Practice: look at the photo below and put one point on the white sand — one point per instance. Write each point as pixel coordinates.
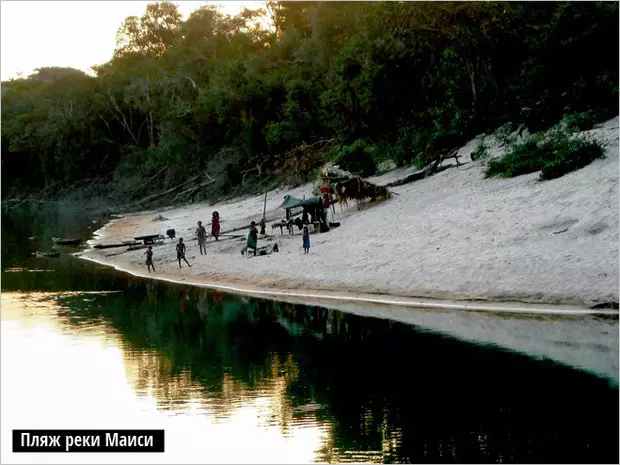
(455, 235)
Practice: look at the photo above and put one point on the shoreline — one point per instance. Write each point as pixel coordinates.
(454, 241)
(325, 296)
(584, 339)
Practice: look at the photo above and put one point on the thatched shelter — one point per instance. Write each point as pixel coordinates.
(346, 186)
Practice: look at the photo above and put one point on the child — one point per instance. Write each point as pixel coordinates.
(306, 237)
(181, 253)
(149, 258)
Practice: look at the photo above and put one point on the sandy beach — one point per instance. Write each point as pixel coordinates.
(454, 236)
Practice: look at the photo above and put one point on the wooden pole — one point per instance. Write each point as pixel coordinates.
(265, 206)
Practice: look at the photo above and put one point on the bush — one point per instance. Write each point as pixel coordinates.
(507, 134)
(357, 159)
(580, 121)
(554, 154)
(524, 158)
(576, 155)
(482, 151)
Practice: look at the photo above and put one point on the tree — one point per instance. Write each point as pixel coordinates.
(150, 35)
(246, 103)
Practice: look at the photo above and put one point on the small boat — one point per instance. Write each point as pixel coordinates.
(112, 246)
(61, 241)
(48, 254)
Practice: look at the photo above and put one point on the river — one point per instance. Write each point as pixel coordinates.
(242, 380)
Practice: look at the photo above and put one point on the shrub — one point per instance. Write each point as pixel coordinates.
(575, 155)
(580, 121)
(523, 158)
(482, 151)
(357, 159)
(554, 154)
(381, 153)
(507, 134)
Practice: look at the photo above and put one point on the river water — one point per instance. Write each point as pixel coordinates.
(241, 380)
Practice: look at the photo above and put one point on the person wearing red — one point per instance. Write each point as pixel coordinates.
(215, 225)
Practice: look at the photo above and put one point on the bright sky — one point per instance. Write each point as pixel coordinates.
(76, 34)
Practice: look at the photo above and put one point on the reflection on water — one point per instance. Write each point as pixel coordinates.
(238, 380)
(245, 380)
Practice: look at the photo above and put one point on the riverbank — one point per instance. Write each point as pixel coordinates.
(454, 236)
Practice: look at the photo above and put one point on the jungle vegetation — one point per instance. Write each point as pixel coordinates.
(213, 105)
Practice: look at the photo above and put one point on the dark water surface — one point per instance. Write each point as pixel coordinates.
(242, 380)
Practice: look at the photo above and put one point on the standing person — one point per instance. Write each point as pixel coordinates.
(201, 232)
(215, 225)
(149, 258)
(306, 238)
(253, 237)
(181, 253)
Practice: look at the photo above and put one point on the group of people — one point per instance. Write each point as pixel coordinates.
(253, 238)
(180, 255)
(201, 232)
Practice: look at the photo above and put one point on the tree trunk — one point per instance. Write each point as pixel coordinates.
(124, 120)
(150, 114)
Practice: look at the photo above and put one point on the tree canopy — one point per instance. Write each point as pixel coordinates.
(271, 94)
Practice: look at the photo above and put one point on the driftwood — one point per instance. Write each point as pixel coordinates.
(454, 153)
(150, 198)
(174, 189)
(428, 170)
(244, 227)
(188, 193)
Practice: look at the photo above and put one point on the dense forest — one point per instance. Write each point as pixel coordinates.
(215, 105)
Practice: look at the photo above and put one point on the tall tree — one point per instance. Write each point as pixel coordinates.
(152, 33)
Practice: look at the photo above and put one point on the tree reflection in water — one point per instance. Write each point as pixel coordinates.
(386, 391)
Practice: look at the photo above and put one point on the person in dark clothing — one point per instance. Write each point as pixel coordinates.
(215, 225)
(181, 253)
(149, 259)
(253, 237)
(306, 239)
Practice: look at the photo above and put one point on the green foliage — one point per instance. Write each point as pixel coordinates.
(152, 33)
(554, 153)
(481, 151)
(580, 121)
(507, 134)
(415, 78)
(525, 157)
(357, 159)
(572, 156)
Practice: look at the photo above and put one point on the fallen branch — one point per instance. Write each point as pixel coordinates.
(169, 191)
(245, 227)
(189, 193)
(428, 170)
(149, 180)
